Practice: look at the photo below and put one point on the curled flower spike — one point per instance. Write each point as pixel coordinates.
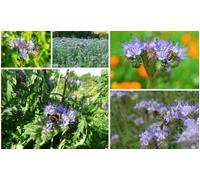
(58, 114)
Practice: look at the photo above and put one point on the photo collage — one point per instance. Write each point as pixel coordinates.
(99, 89)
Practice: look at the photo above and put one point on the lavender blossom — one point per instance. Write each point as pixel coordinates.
(65, 115)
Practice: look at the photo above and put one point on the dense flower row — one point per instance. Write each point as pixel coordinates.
(74, 52)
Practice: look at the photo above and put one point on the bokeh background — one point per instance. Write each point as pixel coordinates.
(124, 76)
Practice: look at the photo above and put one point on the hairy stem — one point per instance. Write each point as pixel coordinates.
(65, 86)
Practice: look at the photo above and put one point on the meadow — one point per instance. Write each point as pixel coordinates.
(80, 51)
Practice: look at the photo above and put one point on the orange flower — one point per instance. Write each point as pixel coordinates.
(111, 74)
(142, 71)
(193, 49)
(126, 85)
(186, 38)
(114, 60)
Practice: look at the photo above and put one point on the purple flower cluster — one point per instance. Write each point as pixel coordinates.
(65, 116)
(20, 76)
(150, 106)
(190, 136)
(187, 115)
(164, 51)
(51, 82)
(181, 111)
(24, 48)
(154, 134)
(133, 48)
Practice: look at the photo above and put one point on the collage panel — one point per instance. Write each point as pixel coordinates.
(154, 119)
(54, 108)
(80, 49)
(154, 60)
(25, 49)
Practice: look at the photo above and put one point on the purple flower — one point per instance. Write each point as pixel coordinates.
(165, 51)
(153, 134)
(118, 93)
(182, 110)
(20, 76)
(114, 138)
(11, 44)
(190, 136)
(138, 121)
(65, 115)
(50, 82)
(150, 106)
(133, 48)
(49, 109)
(24, 48)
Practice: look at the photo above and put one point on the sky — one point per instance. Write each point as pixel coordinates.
(81, 71)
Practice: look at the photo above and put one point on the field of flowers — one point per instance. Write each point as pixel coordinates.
(155, 119)
(25, 49)
(54, 109)
(77, 52)
(154, 60)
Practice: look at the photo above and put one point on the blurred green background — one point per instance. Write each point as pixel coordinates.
(186, 75)
(124, 132)
(42, 41)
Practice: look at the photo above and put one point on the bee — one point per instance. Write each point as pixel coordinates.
(171, 55)
(54, 118)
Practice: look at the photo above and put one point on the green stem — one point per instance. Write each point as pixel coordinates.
(65, 86)
(150, 82)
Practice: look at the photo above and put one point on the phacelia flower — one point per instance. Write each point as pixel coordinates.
(190, 136)
(58, 114)
(20, 76)
(24, 48)
(133, 48)
(183, 110)
(150, 106)
(164, 51)
(153, 134)
(118, 93)
(114, 138)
